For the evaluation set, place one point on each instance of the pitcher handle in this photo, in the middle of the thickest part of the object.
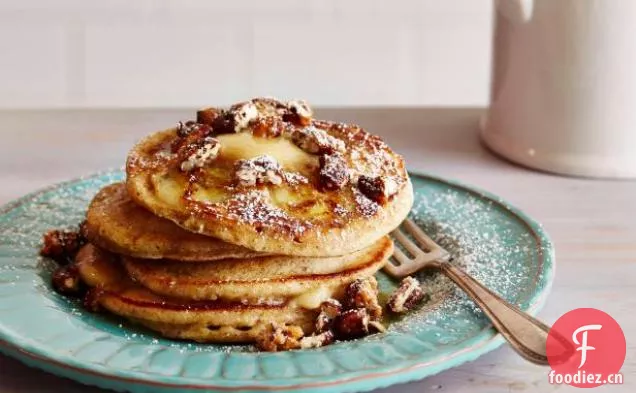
(518, 11)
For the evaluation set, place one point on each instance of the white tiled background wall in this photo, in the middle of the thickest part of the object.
(147, 53)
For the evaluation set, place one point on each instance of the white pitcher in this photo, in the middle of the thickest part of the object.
(563, 96)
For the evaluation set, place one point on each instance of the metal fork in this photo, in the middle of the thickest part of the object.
(526, 334)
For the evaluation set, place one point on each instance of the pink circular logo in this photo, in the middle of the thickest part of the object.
(585, 348)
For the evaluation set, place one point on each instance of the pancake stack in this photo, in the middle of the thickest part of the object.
(247, 217)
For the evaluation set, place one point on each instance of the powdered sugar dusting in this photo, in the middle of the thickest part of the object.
(252, 207)
(499, 252)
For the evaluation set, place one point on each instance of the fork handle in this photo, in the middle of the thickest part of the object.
(526, 334)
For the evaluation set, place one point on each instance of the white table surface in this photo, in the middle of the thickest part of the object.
(592, 222)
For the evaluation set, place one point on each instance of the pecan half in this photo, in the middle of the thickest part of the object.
(334, 172)
(352, 324)
(206, 151)
(363, 293)
(378, 189)
(406, 296)
(317, 340)
(258, 170)
(279, 338)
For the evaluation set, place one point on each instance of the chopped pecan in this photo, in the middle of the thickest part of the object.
(378, 189)
(317, 340)
(66, 280)
(334, 172)
(258, 170)
(294, 179)
(91, 299)
(377, 326)
(276, 338)
(352, 324)
(329, 310)
(363, 293)
(187, 128)
(207, 115)
(406, 296)
(268, 127)
(269, 106)
(83, 231)
(61, 245)
(242, 114)
(299, 113)
(223, 123)
(316, 141)
(208, 151)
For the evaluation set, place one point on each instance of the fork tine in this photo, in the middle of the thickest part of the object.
(424, 251)
(407, 243)
(401, 270)
(400, 256)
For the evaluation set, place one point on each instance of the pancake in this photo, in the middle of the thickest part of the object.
(307, 280)
(211, 321)
(311, 200)
(116, 223)
(209, 333)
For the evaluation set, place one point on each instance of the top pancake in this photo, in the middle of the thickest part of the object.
(116, 223)
(300, 215)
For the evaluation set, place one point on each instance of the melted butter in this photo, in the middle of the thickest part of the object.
(168, 189)
(311, 300)
(245, 146)
(210, 195)
(284, 196)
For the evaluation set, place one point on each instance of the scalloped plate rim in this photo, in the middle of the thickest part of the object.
(482, 342)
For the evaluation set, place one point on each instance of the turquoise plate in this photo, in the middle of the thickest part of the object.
(497, 243)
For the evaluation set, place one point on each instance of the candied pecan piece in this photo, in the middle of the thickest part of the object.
(83, 231)
(207, 115)
(317, 340)
(363, 293)
(201, 154)
(352, 323)
(268, 127)
(279, 338)
(316, 141)
(187, 128)
(242, 114)
(66, 280)
(378, 189)
(329, 310)
(61, 245)
(406, 296)
(258, 170)
(334, 172)
(300, 113)
(223, 123)
(91, 299)
(377, 326)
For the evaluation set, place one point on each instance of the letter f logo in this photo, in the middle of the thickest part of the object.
(583, 344)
